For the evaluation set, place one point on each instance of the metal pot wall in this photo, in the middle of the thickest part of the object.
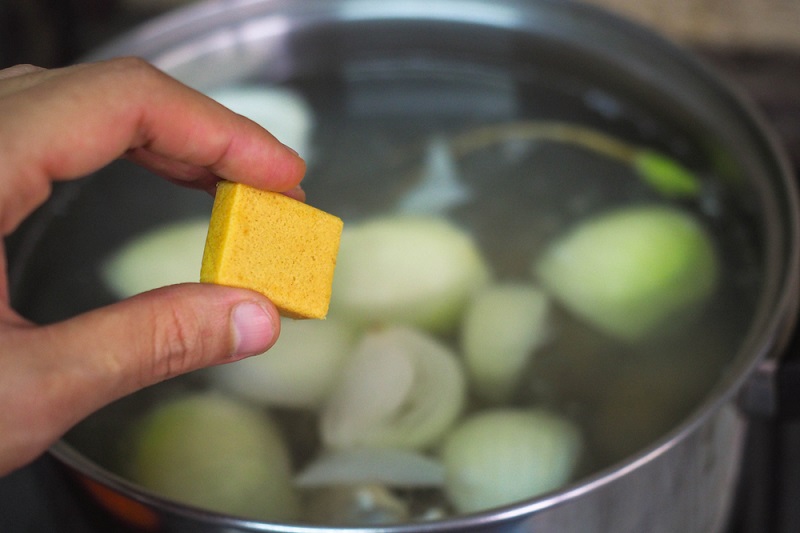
(684, 481)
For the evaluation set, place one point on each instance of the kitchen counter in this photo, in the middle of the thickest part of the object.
(760, 24)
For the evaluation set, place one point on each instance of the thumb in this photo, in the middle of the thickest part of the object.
(56, 375)
(160, 334)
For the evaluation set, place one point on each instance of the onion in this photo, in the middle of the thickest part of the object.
(280, 110)
(167, 255)
(502, 328)
(419, 271)
(206, 450)
(440, 186)
(384, 466)
(502, 456)
(298, 371)
(401, 388)
(633, 271)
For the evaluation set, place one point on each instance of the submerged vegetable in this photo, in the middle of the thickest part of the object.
(664, 174)
(166, 255)
(206, 450)
(503, 326)
(502, 456)
(298, 371)
(410, 269)
(390, 467)
(401, 388)
(632, 271)
(440, 187)
(282, 111)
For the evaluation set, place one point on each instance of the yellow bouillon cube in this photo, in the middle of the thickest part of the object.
(273, 244)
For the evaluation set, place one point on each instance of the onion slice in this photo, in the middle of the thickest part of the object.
(440, 187)
(401, 388)
(384, 466)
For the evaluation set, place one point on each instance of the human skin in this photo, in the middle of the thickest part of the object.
(63, 124)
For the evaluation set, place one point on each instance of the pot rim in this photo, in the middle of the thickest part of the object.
(768, 336)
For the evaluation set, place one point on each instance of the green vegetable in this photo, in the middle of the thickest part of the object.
(502, 328)
(414, 270)
(206, 450)
(401, 389)
(666, 175)
(632, 271)
(298, 371)
(503, 456)
(164, 256)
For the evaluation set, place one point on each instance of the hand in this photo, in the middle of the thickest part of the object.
(63, 124)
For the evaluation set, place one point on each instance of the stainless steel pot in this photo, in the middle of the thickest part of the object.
(684, 481)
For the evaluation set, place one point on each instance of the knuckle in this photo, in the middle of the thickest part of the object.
(177, 343)
(133, 64)
(134, 70)
(20, 70)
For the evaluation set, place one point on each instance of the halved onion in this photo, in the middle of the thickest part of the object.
(502, 328)
(632, 271)
(401, 388)
(298, 371)
(414, 270)
(503, 456)
(166, 255)
(206, 450)
(280, 110)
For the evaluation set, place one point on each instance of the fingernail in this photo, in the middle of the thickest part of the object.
(253, 329)
(297, 193)
(292, 150)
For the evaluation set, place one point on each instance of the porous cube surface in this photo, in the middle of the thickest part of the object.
(273, 244)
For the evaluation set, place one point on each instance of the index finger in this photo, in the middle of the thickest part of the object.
(70, 122)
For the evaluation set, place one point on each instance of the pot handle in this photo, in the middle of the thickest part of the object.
(771, 400)
(773, 391)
